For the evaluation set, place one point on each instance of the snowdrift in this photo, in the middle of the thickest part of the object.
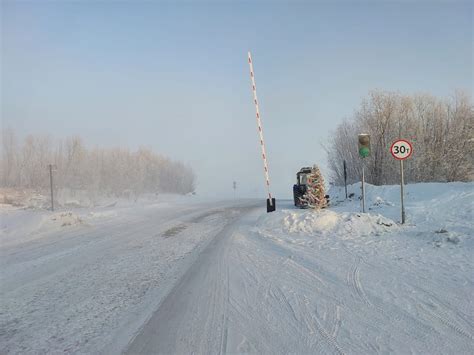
(440, 213)
(66, 199)
(327, 222)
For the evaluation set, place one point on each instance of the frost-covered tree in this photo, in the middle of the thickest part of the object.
(441, 131)
(114, 171)
(10, 158)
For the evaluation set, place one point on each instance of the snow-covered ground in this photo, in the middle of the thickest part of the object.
(188, 275)
(349, 282)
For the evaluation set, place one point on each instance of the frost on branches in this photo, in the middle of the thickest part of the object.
(315, 193)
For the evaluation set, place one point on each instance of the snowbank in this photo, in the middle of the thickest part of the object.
(326, 222)
(437, 195)
(76, 198)
(62, 219)
(27, 198)
(439, 213)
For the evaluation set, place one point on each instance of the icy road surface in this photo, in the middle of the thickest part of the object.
(233, 279)
(86, 281)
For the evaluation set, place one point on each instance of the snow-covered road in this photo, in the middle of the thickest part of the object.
(88, 287)
(229, 278)
(252, 292)
(194, 316)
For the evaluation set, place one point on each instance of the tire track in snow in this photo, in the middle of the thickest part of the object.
(445, 319)
(399, 316)
(441, 310)
(313, 331)
(283, 301)
(308, 321)
(313, 322)
(194, 316)
(353, 279)
(303, 269)
(434, 312)
(329, 338)
(268, 295)
(225, 314)
(337, 322)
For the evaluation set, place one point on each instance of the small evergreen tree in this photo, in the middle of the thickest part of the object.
(315, 195)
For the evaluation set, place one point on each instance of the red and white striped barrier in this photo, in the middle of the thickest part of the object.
(260, 131)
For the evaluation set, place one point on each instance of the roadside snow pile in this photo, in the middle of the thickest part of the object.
(316, 223)
(41, 200)
(62, 219)
(379, 201)
(23, 225)
(440, 214)
(459, 194)
(24, 198)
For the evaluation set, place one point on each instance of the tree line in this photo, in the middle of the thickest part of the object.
(441, 131)
(108, 172)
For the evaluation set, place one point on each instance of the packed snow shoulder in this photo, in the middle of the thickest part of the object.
(322, 223)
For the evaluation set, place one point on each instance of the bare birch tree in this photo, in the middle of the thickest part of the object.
(441, 131)
(115, 171)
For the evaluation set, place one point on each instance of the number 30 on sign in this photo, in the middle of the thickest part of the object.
(401, 149)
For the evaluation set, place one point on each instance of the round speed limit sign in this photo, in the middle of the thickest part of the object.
(401, 149)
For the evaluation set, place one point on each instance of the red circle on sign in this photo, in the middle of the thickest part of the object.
(401, 140)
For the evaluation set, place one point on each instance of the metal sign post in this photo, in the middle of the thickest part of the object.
(402, 183)
(363, 187)
(401, 149)
(364, 152)
(270, 200)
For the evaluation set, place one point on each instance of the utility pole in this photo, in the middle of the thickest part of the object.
(345, 177)
(234, 186)
(51, 185)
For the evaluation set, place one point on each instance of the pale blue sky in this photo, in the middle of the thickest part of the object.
(174, 76)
